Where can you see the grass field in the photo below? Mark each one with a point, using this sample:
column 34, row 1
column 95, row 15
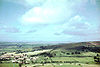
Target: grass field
column 47, row 56
column 62, row 65
column 9, row 65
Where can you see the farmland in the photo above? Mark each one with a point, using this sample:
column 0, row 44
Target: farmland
column 81, row 54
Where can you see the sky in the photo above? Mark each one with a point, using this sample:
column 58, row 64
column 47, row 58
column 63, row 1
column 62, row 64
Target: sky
column 49, row 20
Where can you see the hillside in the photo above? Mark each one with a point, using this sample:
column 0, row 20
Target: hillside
column 89, row 46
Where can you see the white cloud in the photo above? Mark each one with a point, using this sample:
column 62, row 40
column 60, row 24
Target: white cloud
column 76, row 18
column 54, row 20
column 78, row 26
column 9, row 29
column 77, row 22
column 52, row 11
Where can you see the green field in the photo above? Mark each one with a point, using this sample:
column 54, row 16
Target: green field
column 9, row 65
column 64, row 55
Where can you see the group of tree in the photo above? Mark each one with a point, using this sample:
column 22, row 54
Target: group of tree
column 97, row 58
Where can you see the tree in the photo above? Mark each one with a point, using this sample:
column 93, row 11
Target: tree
column 20, row 64
column 97, row 58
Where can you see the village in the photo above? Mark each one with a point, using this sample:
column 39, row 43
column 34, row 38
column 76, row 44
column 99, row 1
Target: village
column 24, row 58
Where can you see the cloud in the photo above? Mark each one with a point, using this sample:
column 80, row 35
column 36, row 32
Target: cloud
column 57, row 34
column 79, row 22
column 54, row 20
column 12, row 30
column 82, row 33
column 9, row 29
column 78, row 26
column 52, row 11
column 31, row 31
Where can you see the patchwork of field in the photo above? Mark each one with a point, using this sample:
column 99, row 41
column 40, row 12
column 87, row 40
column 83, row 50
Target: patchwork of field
column 62, row 65
column 65, row 55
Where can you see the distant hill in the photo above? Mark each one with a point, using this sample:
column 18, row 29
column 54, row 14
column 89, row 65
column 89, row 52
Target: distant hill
column 95, row 43
column 80, row 46
column 71, row 45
